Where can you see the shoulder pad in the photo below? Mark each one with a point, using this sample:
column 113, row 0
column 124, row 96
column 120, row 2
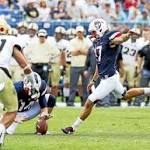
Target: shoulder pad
column 113, row 34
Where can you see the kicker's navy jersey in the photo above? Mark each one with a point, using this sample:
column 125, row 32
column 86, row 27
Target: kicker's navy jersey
column 25, row 102
column 106, row 54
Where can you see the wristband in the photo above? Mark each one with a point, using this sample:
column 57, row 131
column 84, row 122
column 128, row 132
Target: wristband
column 26, row 67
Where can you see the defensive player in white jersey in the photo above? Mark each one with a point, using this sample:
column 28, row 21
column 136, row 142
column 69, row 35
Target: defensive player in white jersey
column 61, row 43
column 8, row 49
column 63, row 46
column 130, row 49
column 105, row 44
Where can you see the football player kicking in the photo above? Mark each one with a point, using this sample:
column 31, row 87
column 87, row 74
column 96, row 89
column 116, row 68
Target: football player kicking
column 106, row 44
column 31, row 105
column 9, row 47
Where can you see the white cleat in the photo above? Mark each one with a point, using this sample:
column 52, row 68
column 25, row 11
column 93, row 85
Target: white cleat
column 2, row 134
column 12, row 128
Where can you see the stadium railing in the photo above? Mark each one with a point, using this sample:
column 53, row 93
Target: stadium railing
column 50, row 26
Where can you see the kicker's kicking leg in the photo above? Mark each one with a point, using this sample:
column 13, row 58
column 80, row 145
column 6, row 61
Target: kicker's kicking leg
column 136, row 92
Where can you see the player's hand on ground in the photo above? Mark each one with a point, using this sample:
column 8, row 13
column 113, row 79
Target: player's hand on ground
column 91, row 83
column 45, row 116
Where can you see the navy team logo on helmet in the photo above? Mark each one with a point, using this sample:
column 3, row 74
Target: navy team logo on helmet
column 98, row 27
column 97, row 24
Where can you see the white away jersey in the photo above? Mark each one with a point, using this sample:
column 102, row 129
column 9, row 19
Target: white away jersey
column 129, row 52
column 63, row 45
column 6, row 49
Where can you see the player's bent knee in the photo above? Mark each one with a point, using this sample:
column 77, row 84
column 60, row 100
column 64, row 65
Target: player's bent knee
column 51, row 101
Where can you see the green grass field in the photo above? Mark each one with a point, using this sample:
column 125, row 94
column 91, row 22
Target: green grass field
column 105, row 129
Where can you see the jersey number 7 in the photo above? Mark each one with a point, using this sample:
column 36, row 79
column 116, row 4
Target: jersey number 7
column 2, row 43
column 98, row 51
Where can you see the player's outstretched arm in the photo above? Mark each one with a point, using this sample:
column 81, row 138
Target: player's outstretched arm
column 120, row 39
column 123, row 37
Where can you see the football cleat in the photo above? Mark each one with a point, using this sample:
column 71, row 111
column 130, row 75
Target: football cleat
column 68, row 130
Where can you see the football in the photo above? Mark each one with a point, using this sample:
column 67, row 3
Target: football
column 41, row 126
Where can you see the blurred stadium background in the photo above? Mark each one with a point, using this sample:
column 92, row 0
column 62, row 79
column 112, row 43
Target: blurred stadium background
column 51, row 13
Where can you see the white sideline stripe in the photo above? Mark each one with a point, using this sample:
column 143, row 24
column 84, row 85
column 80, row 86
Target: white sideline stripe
column 78, row 105
column 61, row 104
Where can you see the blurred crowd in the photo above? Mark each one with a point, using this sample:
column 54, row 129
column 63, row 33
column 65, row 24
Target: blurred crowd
column 110, row 10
